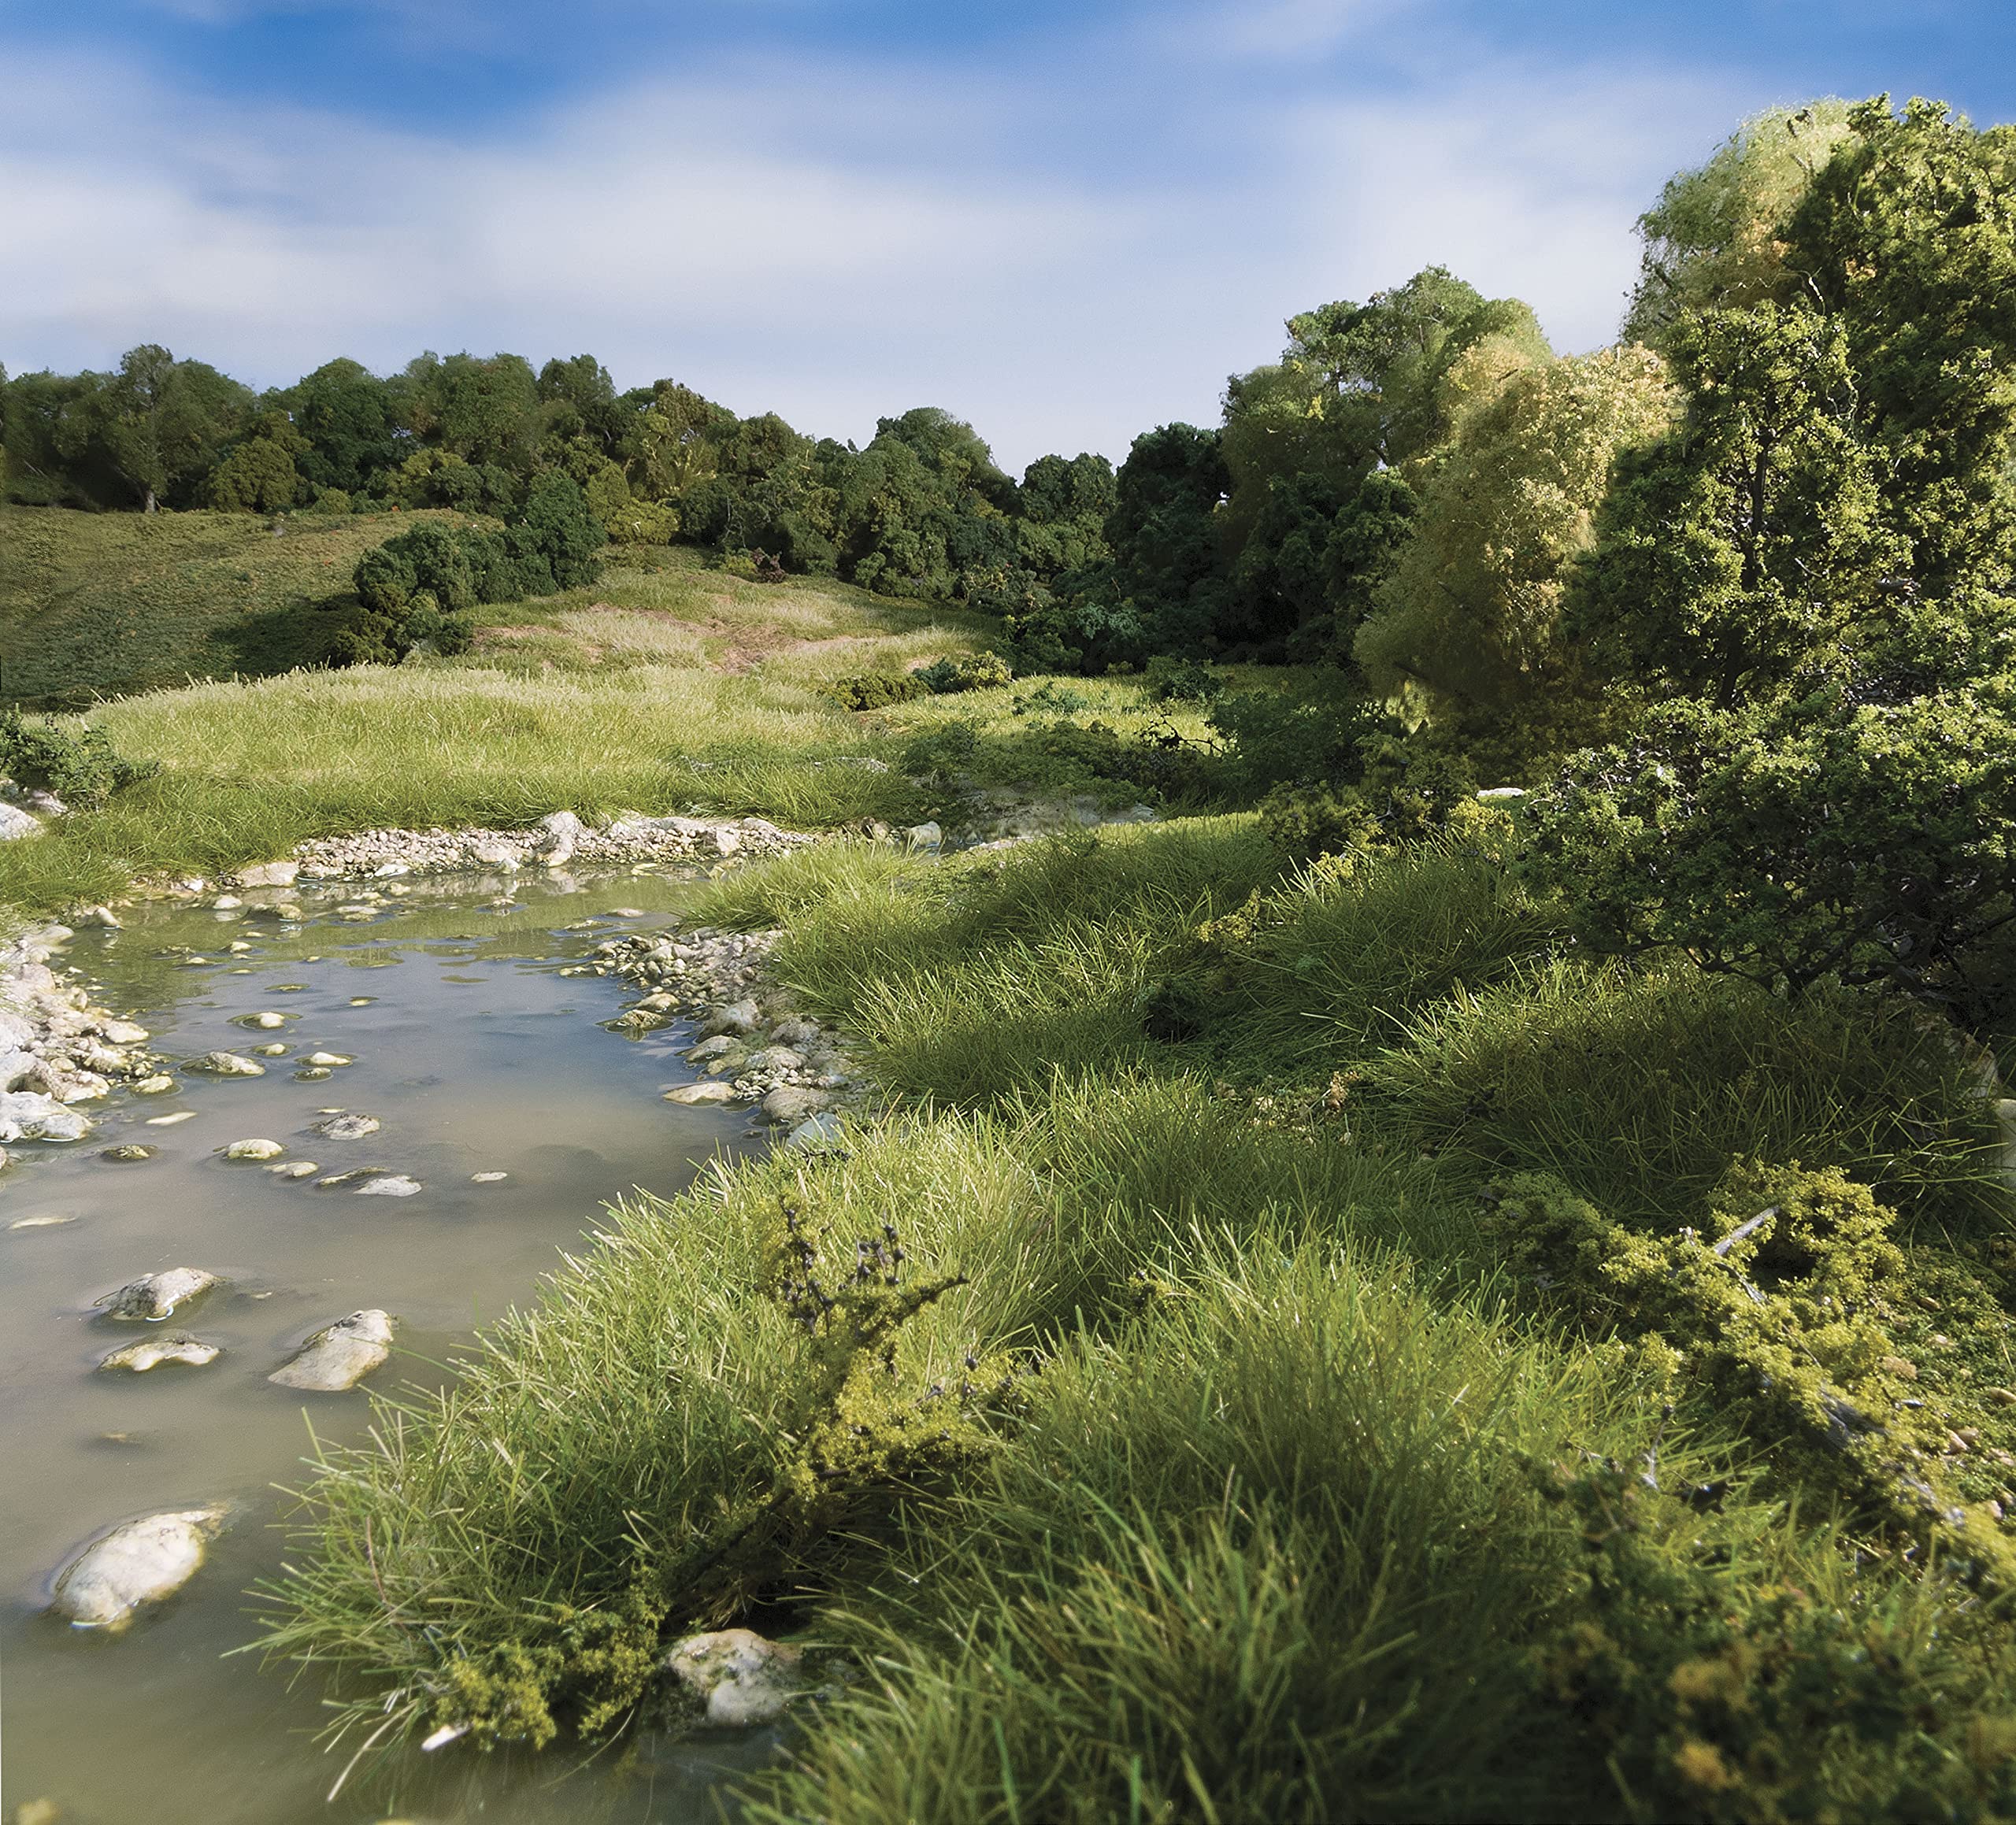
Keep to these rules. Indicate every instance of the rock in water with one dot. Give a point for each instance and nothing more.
(154, 1297)
(347, 1128)
(254, 1149)
(740, 1018)
(151, 1352)
(744, 1679)
(702, 1093)
(131, 1150)
(389, 1185)
(325, 1060)
(153, 1086)
(270, 875)
(230, 1064)
(141, 1562)
(28, 1114)
(339, 1355)
(124, 1033)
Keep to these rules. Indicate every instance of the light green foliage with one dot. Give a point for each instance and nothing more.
(1472, 609)
(1715, 239)
(78, 762)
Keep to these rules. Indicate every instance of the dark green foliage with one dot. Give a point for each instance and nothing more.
(555, 538)
(1402, 793)
(79, 765)
(958, 672)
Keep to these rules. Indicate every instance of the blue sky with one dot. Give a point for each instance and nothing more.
(1066, 222)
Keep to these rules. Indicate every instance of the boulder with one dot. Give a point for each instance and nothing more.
(154, 1297)
(692, 1093)
(129, 1151)
(229, 1065)
(559, 835)
(270, 875)
(797, 1032)
(819, 1134)
(389, 1185)
(14, 822)
(742, 1678)
(153, 1086)
(348, 1127)
(497, 855)
(26, 1115)
(123, 1033)
(740, 1018)
(788, 1104)
(708, 1050)
(340, 1355)
(151, 1352)
(774, 1058)
(925, 836)
(140, 1562)
(253, 1150)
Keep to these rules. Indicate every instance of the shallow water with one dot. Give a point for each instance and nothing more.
(477, 1056)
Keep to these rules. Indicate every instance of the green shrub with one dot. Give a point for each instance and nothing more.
(876, 690)
(1171, 680)
(78, 765)
(958, 671)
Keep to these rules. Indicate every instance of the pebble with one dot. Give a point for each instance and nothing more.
(139, 1563)
(149, 1352)
(340, 1355)
(276, 1050)
(230, 1064)
(390, 1185)
(265, 1018)
(326, 1060)
(487, 1178)
(254, 1150)
(129, 1151)
(348, 1127)
(153, 1086)
(169, 1121)
(295, 1169)
(154, 1297)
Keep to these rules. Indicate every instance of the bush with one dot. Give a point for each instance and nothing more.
(876, 690)
(78, 765)
(964, 671)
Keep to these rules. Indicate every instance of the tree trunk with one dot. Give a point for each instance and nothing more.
(149, 506)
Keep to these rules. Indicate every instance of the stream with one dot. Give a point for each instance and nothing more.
(477, 1056)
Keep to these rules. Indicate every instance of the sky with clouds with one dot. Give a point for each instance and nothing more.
(1066, 222)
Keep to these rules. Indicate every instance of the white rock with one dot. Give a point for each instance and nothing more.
(774, 1058)
(709, 1050)
(154, 1297)
(101, 917)
(787, 1104)
(139, 1563)
(925, 836)
(151, 1352)
(820, 1133)
(227, 902)
(339, 1355)
(123, 1033)
(487, 1178)
(270, 875)
(325, 1060)
(295, 1169)
(702, 1093)
(386, 871)
(16, 1069)
(348, 1127)
(497, 855)
(267, 1019)
(276, 1050)
(168, 1121)
(230, 1064)
(739, 1017)
(389, 1185)
(153, 1086)
(744, 1679)
(254, 1150)
(15, 822)
(26, 1116)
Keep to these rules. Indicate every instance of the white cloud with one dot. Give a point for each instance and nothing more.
(831, 243)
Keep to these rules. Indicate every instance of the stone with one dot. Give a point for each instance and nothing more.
(254, 1150)
(560, 835)
(270, 875)
(168, 1121)
(101, 917)
(25, 1115)
(129, 1151)
(389, 1185)
(295, 1169)
(265, 1018)
(16, 1069)
(149, 1352)
(227, 903)
(496, 855)
(797, 1031)
(709, 1050)
(325, 1060)
(742, 1678)
(229, 1065)
(348, 1127)
(740, 1018)
(276, 1050)
(313, 1074)
(45, 804)
(488, 1178)
(123, 1033)
(819, 1134)
(340, 1355)
(774, 1058)
(154, 1297)
(288, 909)
(925, 836)
(726, 842)
(787, 1104)
(693, 1093)
(153, 1086)
(14, 822)
(139, 1563)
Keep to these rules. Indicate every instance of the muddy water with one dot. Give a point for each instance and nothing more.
(476, 1055)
